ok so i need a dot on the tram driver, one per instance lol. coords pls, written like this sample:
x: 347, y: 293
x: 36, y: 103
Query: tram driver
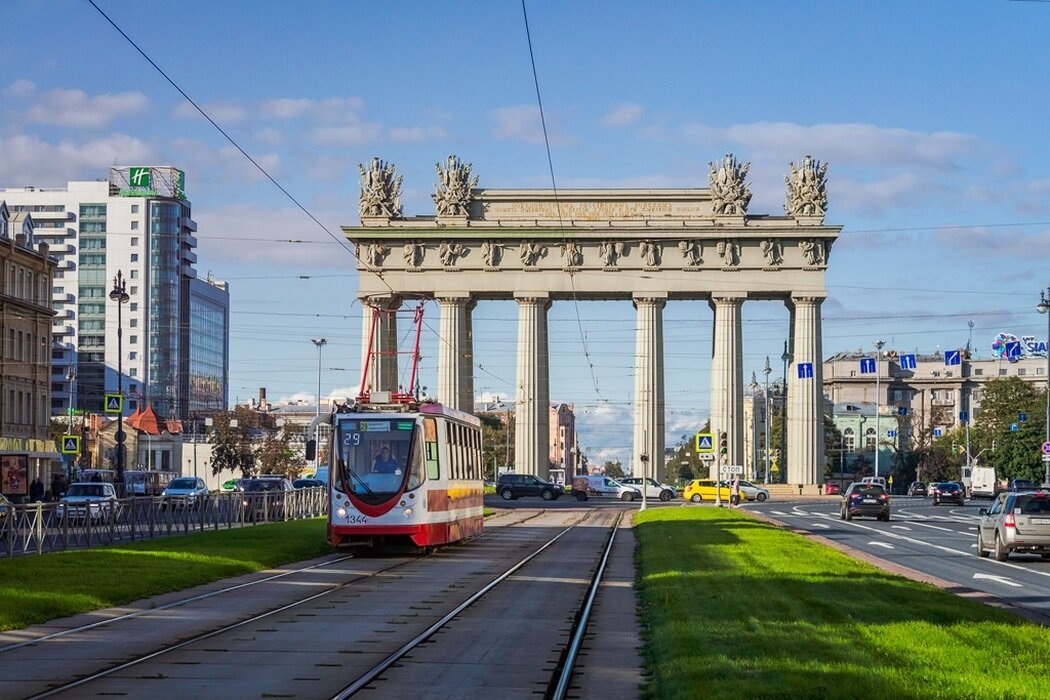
x: 385, y: 463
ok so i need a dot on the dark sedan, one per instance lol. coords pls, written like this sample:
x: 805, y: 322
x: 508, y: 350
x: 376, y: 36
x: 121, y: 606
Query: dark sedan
x: 947, y: 492
x: 918, y: 488
x: 1022, y: 485
x: 865, y: 499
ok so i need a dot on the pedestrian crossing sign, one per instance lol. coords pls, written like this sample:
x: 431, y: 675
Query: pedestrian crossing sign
x: 70, y: 444
x: 114, y: 403
x: 705, y: 442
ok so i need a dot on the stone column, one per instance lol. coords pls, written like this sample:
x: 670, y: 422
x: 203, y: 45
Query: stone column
x: 727, y: 376
x: 806, y: 395
x: 532, y: 416
x: 649, y: 385
x: 382, y: 366
x: 455, y: 387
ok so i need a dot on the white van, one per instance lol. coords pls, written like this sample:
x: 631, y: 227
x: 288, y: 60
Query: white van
x: 584, y: 487
x: 880, y: 480
x: 983, y: 483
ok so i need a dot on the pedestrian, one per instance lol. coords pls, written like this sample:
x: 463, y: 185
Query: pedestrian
x: 36, y: 490
x: 734, y: 492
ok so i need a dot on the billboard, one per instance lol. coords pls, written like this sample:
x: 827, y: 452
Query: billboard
x: 147, y: 181
x: 14, y: 475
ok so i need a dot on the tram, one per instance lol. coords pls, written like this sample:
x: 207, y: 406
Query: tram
x: 402, y: 470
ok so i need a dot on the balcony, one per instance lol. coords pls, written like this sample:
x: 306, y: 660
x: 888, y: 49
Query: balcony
x: 59, y: 331
x: 48, y: 233
x: 64, y: 314
x: 62, y: 298
x: 57, y: 344
x: 67, y: 266
x: 943, y: 402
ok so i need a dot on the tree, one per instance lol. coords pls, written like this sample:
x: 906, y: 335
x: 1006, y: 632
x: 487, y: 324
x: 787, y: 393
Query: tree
x: 274, y: 454
x: 613, y: 470
x: 231, y: 448
x: 496, y: 438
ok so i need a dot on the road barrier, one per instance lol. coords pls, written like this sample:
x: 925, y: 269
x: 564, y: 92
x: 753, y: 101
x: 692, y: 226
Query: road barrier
x: 36, y: 528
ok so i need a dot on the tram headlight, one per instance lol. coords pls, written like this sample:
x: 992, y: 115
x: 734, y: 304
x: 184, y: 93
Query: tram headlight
x: 341, y: 512
x: 407, y: 512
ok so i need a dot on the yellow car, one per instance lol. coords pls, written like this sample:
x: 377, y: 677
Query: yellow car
x: 704, y: 490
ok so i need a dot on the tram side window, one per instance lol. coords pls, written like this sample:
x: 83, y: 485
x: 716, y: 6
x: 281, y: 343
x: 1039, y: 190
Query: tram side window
x: 430, y: 437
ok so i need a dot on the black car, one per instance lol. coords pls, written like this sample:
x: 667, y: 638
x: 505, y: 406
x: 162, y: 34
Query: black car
x: 865, y: 499
x: 513, y: 486
x: 948, y: 492
x: 1022, y: 485
x: 918, y: 488
x: 307, y: 483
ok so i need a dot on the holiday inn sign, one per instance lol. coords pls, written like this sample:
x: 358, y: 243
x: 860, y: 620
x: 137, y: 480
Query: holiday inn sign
x: 147, y: 181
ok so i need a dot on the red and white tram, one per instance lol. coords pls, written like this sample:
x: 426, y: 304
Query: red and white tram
x: 404, y: 474
x: 401, y: 470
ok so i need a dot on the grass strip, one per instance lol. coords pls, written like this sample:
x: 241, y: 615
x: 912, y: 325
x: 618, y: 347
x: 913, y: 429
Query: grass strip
x: 736, y: 608
x: 37, y: 588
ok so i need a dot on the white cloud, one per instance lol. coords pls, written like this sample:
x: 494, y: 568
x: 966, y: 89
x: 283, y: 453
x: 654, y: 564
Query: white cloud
x: 76, y: 109
x: 521, y: 123
x: 623, y: 114
x: 285, y: 108
x: 21, y: 88
x: 221, y: 112
x: 355, y: 134
x: 29, y: 160
x: 417, y: 134
x: 270, y: 136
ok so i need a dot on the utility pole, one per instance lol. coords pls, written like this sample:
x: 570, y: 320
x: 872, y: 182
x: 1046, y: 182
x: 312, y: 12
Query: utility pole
x: 1043, y: 308
x: 878, y: 400
x: 765, y: 417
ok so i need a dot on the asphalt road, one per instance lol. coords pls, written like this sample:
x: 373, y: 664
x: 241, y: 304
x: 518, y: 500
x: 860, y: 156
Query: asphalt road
x: 939, y: 541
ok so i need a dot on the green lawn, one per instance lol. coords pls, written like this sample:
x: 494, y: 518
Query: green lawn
x: 736, y: 608
x: 37, y: 588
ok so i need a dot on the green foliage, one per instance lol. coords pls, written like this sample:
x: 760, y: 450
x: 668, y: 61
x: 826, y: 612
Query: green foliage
x: 736, y: 608
x: 497, y: 440
x: 273, y: 456
x: 614, y: 470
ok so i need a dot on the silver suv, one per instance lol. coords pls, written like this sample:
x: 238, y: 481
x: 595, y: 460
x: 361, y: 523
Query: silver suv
x: 1016, y: 522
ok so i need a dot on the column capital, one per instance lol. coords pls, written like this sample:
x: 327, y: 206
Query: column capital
x: 656, y: 299
x: 381, y: 301
x: 808, y: 297
x: 532, y: 296
x: 453, y: 296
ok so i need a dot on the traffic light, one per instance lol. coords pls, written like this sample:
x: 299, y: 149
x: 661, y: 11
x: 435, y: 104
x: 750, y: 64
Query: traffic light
x: 723, y: 443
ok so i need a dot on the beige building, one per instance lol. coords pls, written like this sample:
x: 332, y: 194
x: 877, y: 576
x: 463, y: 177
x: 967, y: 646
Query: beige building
x: 26, y: 271
x: 934, y: 393
x: 564, y: 445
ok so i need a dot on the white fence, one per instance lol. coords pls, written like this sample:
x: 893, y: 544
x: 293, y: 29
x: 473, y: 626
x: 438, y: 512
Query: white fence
x: 37, y: 528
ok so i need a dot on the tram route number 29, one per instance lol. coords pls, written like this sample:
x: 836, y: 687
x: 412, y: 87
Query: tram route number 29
x: 356, y: 519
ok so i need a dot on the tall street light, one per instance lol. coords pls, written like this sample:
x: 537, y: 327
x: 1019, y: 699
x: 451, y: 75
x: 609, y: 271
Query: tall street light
x: 71, y: 377
x: 878, y: 398
x: 754, y: 427
x: 786, y: 357
x: 765, y: 416
x: 1043, y: 308
x: 320, y: 343
x: 119, y: 294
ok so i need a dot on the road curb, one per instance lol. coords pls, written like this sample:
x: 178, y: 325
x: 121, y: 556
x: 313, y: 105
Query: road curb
x: 912, y: 574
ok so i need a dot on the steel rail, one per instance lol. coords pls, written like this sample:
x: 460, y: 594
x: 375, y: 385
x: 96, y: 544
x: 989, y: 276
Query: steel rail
x: 563, y: 674
x: 423, y: 636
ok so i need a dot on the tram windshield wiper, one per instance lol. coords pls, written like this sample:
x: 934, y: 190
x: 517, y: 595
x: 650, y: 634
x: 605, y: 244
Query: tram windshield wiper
x: 357, y: 477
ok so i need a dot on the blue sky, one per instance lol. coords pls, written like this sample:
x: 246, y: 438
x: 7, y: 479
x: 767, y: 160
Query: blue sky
x: 932, y: 116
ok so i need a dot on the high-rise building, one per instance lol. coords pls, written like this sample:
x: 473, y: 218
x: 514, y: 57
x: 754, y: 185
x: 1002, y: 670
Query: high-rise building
x: 25, y: 334
x: 137, y: 221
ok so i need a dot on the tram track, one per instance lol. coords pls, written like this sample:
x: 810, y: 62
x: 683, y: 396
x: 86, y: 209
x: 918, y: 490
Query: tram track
x: 186, y: 642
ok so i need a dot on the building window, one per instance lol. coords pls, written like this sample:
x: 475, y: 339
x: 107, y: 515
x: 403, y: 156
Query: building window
x: 132, y: 372
x: 134, y: 323
x: 1021, y: 371
x: 134, y: 306
x: 869, y: 438
x: 134, y: 208
x: 133, y: 356
x: 849, y: 441
x: 949, y: 395
x: 134, y: 274
x: 134, y: 257
x: 934, y: 394
x: 978, y: 372
x: 134, y: 226
x: 134, y: 340
x: 134, y: 240
x: 134, y: 290
x: 1039, y: 370
x: 898, y: 395
x: 1002, y: 372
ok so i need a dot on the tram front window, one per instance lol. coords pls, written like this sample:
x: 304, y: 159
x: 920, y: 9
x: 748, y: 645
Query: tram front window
x: 376, y: 458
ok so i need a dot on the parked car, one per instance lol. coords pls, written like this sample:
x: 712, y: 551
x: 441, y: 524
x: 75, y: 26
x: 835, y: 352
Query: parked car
x: 308, y: 484
x: 833, y: 488
x: 264, y: 497
x: 5, y: 508
x: 948, y: 491
x: 704, y: 490
x: 1022, y: 485
x: 513, y: 486
x: 1015, y: 522
x: 653, y: 489
x: 185, y: 492
x: 597, y: 486
x: 231, y: 485
x: 868, y: 499
x: 83, y: 501
x: 918, y: 488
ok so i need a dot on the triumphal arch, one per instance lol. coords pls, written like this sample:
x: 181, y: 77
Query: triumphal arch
x: 647, y: 246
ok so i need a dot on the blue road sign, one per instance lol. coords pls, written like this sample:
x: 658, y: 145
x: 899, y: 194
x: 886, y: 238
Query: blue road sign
x: 1022, y: 417
x: 805, y: 370
x: 964, y: 416
x: 937, y: 432
x: 891, y: 433
x: 867, y: 365
x: 1014, y: 427
x: 70, y: 444
x: 705, y: 442
x: 902, y: 410
x: 952, y: 357
x: 1013, y: 351
x: 114, y: 403
x: 908, y: 362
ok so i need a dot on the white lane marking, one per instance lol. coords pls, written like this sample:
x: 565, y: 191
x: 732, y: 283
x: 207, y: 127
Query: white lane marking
x: 820, y: 525
x: 778, y: 512
x: 999, y: 579
x: 900, y: 527
x: 912, y: 515
x: 881, y: 544
x: 935, y: 527
x: 905, y: 538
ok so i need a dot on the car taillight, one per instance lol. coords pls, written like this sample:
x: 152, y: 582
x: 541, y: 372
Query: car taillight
x: 1009, y: 521
x: 936, y: 491
x: 885, y: 497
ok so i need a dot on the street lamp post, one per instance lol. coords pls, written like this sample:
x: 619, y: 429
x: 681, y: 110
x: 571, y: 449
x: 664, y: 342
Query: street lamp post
x: 1043, y: 308
x: 878, y: 399
x: 119, y: 294
x: 765, y: 417
x: 71, y: 377
x: 320, y: 343
x: 754, y: 428
x: 786, y: 357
